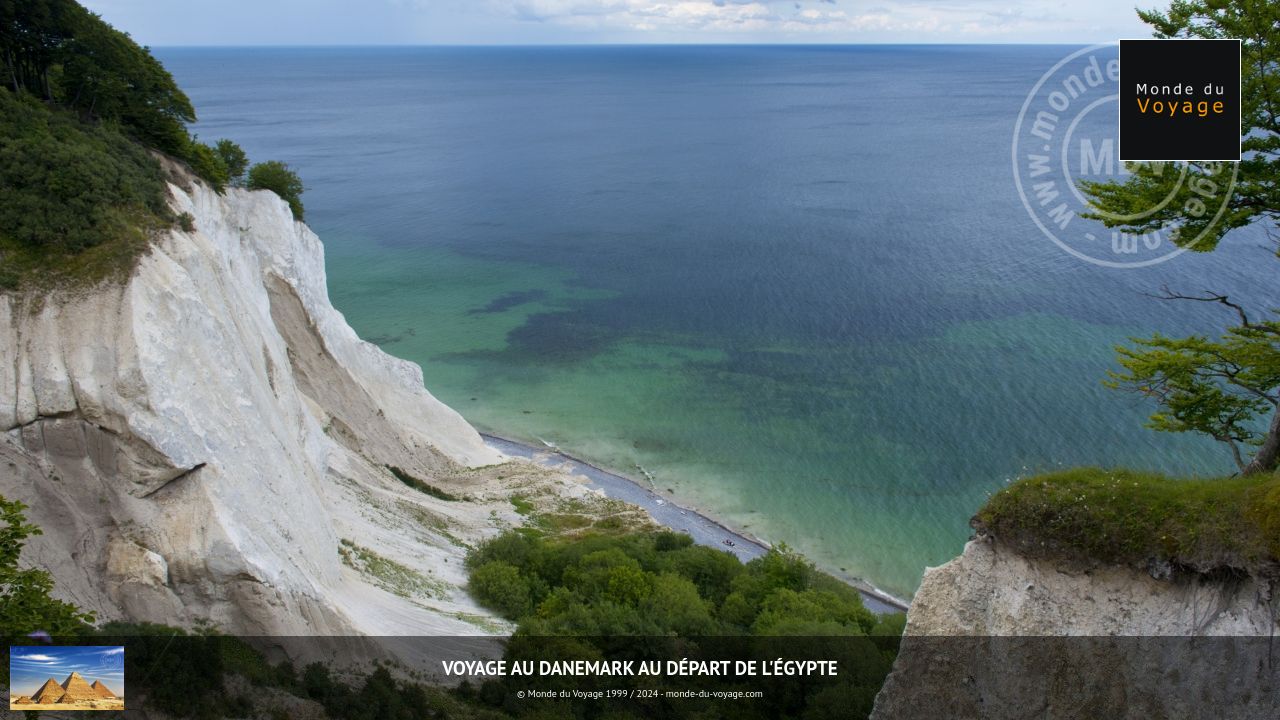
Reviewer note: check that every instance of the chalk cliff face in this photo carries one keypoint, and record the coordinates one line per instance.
(210, 441)
(994, 634)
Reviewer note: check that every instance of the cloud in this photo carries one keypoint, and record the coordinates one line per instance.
(36, 657)
(113, 651)
(923, 18)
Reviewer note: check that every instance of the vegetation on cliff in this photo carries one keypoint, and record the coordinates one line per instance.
(1164, 526)
(656, 595)
(25, 602)
(1226, 387)
(83, 110)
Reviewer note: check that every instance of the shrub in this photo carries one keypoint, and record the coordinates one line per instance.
(499, 586)
(69, 186)
(276, 176)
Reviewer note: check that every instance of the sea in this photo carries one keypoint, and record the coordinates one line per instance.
(796, 286)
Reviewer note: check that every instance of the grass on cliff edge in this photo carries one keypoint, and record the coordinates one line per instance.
(1088, 516)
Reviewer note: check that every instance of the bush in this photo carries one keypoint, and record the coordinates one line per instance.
(276, 176)
(68, 185)
(499, 586)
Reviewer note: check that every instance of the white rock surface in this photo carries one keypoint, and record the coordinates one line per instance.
(994, 635)
(990, 590)
(197, 441)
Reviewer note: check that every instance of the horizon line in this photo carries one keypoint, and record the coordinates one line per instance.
(303, 46)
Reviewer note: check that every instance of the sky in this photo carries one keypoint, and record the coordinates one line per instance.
(164, 23)
(30, 667)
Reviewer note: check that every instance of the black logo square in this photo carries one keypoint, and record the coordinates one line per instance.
(1179, 100)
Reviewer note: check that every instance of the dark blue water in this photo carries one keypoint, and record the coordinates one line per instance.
(795, 284)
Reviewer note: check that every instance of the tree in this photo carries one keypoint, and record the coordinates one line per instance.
(1256, 194)
(233, 158)
(276, 176)
(25, 604)
(207, 163)
(1222, 388)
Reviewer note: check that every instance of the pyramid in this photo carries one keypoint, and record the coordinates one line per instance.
(50, 692)
(102, 690)
(23, 700)
(77, 690)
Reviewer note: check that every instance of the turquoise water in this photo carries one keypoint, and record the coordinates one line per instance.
(795, 284)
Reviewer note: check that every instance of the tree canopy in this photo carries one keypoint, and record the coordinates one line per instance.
(82, 105)
(58, 50)
(656, 595)
(1256, 194)
(1228, 389)
(275, 176)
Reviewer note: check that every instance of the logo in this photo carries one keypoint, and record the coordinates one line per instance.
(1068, 133)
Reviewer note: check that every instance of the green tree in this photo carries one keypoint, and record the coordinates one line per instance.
(25, 603)
(276, 176)
(69, 186)
(1226, 388)
(1256, 194)
(208, 164)
(233, 158)
(1220, 388)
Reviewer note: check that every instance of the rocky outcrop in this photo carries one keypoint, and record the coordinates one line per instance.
(994, 634)
(198, 440)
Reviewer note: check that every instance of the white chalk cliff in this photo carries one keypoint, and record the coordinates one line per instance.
(209, 441)
(995, 634)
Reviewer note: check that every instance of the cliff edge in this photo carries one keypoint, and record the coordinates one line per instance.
(209, 441)
(995, 634)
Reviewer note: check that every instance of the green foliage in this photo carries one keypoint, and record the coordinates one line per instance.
(208, 164)
(1255, 194)
(1087, 516)
(655, 584)
(390, 575)
(74, 168)
(25, 603)
(1220, 388)
(656, 596)
(68, 186)
(62, 52)
(276, 176)
(502, 588)
(233, 159)
(105, 75)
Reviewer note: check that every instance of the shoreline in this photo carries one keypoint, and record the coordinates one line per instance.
(703, 528)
